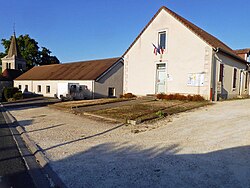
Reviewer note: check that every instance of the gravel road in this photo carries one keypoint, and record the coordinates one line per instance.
(207, 147)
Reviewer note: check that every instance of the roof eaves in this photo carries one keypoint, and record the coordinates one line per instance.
(231, 55)
(109, 69)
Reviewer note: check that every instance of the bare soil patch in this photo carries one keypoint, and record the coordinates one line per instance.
(149, 110)
(84, 103)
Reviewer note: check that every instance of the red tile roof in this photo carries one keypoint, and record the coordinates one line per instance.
(84, 70)
(208, 38)
(242, 51)
(10, 74)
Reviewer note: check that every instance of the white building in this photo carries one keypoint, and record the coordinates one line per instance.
(189, 61)
(80, 80)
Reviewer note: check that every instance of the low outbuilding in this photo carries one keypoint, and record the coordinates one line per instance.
(79, 80)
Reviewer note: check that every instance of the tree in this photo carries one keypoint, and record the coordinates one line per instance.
(31, 52)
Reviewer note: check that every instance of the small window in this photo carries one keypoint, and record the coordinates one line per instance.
(47, 89)
(20, 87)
(26, 88)
(8, 65)
(246, 81)
(234, 78)
(111, 92)
(248, 58)
(73, 89)
(20, 66)
(39, 88)
(161, 66)
(162, 40)
(221, 73)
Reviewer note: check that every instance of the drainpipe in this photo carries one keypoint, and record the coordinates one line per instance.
(93, 89)
(214, 75)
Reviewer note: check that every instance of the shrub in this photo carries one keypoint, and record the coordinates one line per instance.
(169, 97)
(198, 98)
(127, 95)
(180, 97)
(8, 92)
(160, 113)
(160, 96)
(18, 95)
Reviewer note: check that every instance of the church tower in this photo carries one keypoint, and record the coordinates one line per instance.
(13, 60)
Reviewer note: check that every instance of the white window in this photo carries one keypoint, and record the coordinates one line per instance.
(111, 92)
(26, 88)
(162, 40)
(248, 58)
(8, 65)
(47, 89)
(39, 88)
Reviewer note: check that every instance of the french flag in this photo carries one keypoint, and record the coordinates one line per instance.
(156, 50)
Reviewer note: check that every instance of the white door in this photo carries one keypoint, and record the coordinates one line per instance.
(161, 78)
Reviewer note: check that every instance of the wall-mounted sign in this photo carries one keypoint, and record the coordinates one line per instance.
(169, 77)
(195, 79)
(219, 86)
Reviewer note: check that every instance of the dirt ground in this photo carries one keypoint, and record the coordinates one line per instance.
(207, 147)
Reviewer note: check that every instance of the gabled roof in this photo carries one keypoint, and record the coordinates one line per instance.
(13, 49)
(208, 38)
(84, 70)
(10, 74)
(242, 51)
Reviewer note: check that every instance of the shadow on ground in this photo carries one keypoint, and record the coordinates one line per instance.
(112, 165)
(29, 103)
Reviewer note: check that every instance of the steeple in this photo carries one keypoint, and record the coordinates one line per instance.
(13, 49)
(14, 59)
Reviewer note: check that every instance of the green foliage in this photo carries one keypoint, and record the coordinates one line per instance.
(18, 95)
(9, 92)
(30, 51)
(160, 113)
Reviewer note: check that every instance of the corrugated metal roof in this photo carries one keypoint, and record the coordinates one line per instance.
(84, 70)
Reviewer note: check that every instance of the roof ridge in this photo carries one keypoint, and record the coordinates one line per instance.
(71, 71)
(177, 16)
(202, 34)
(90, 60)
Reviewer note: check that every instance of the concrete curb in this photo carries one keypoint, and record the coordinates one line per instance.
(41, 159)
(100, 117)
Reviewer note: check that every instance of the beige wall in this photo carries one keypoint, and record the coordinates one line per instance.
(186, 53)
(33, 86)
(14, 63)
(7, 60)
(227, 85)
(114, 78)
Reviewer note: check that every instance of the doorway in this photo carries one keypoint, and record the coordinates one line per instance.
(161, 78)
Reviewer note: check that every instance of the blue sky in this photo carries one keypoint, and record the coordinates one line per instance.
(92, 29)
